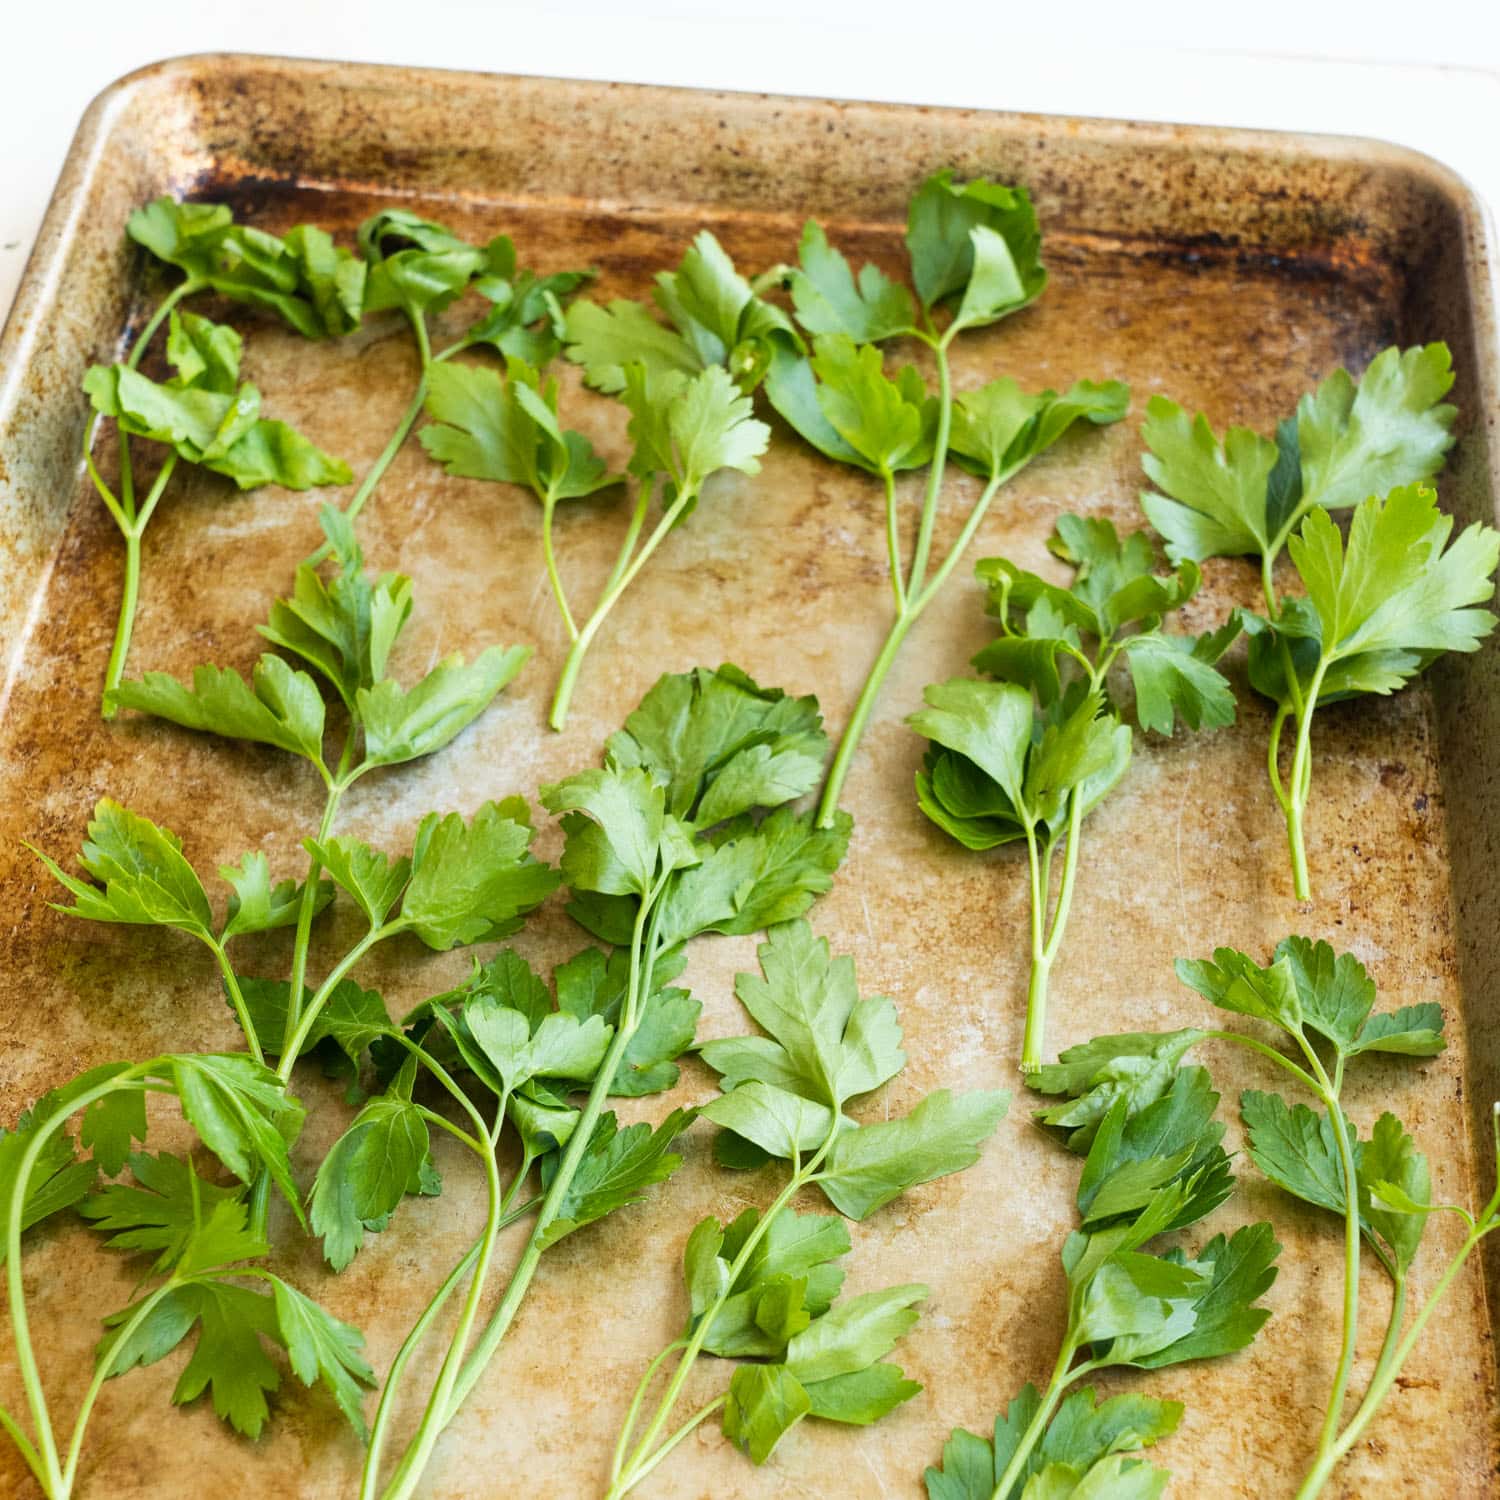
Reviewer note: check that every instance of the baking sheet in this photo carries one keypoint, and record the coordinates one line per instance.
(1227, 269)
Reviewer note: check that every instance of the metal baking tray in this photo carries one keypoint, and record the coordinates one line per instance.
(1227, 268)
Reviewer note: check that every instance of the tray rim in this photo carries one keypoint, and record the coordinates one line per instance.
(82, 159)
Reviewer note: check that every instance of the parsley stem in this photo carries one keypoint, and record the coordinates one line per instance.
(643, 954)
(130, 593)
(918, 596)
(435, 1417)
(13, 1431)
(1044, 950)
(1299, 783)
(937, 468)
(893, 541)
(1330, 1456)
(1061, 1379)
(684, 1432)
(53, 1481)
(308, 905)
(376, 472)
(103, 1368)
(549, 509)
(315, 1006)
(624, 574)
(1329, 1094)
(368, 1487)
(617, 1462)
(237, 1000)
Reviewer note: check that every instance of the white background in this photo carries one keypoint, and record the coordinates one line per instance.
(1424, 75)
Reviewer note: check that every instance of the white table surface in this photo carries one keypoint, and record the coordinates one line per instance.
(1432, 83)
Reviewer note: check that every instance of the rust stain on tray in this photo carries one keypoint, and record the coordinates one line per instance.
(1232, 286)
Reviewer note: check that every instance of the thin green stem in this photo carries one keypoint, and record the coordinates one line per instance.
(1280, 1059)
(688, 1428)
(549, 508)
(1299, 784)
(185, 288)
(53, 1481)
(130, 594)
(632, 1415)
(307, 907)
(237, 1000)
(376, 472)
(1273, 758)
(1036, 989)
(369, 1478)
(12, 1430)
(642, 963)
(859, 720)
(320, 999)
(937, 468)
(965, 536)
(1330, 1456)
(1328, 1093)
(619, 581)
(1061, 1379)
(893, 541)
(918, 597)
(102, 1371)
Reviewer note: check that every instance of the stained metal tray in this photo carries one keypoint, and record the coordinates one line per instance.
(1227, 268)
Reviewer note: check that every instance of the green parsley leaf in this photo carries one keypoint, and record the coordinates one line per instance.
(1136, 1067)
(687, 428)
(229, 1360)
(278, 707)
(507, 430)
(343, 627)
(717, 321)
(824, 1042)
(829, 300)
(1081, 1435)
(869, 1167)
(258, 906)
(403, 724)
(321, 1348)
(765, 1403)
(161, 1213)
(978, 240)
(145, 879)
(58, 1179)
(616, 1170)
(854, 1334)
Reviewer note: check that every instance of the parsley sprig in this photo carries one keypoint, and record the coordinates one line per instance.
(1323, 1003)
(1031, 755)
(204, 416)
(764, 1287)
(200, 1232)
(685, 427)
(687, 829)
(461, 883)
(1374, 614)
(1153, 1166)
(975, 259)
